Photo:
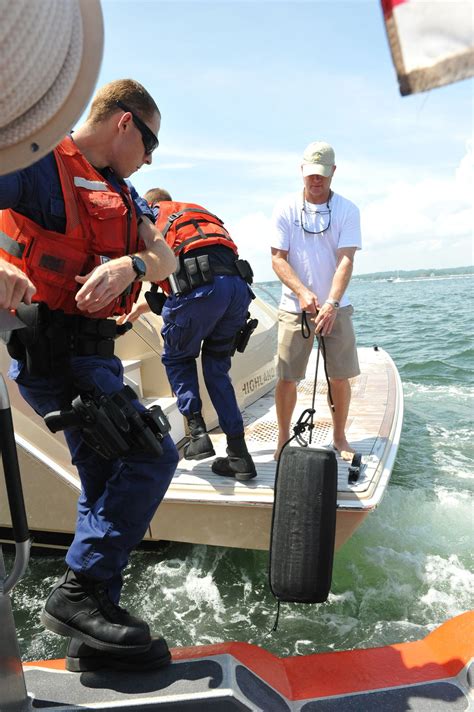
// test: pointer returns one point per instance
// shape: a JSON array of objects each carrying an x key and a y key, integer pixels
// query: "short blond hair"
[
  {"x": 128, "y": 91},
  {"x": 155, "y": 195}
]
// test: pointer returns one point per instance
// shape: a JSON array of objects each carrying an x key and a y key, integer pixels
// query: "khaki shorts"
[{"x": 294, "y": 350}]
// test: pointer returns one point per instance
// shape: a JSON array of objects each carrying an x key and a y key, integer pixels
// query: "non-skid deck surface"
[
  {"x": 369, "y": 424},
  {"x": 222, "y": 684}
]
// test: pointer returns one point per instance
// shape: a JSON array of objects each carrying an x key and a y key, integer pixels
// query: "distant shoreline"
[
  {"x": 401, "y": 275},
  {"x": 421, "y": 273}
]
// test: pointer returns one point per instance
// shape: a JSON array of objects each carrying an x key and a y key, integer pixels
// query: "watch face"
[{"x": 139, "y": 266}]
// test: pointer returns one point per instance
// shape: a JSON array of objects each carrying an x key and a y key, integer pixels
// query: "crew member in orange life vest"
[
  {"x": 204, "y": 318},
  {"x": 86, "y": 241}
]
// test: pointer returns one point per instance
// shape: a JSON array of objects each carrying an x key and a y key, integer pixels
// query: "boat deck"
[
  {"x": 433, "y": 673},
  {"x": 373, "y": 429}
]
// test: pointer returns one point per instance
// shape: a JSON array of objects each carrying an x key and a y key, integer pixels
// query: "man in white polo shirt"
[{"x": 315, "y": 235}]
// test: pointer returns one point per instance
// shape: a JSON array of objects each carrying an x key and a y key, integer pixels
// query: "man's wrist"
[{"x": 333, "y": 302}]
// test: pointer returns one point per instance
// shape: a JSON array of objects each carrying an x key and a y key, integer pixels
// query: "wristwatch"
[
  {"x": 333, "y": 302},
  {"x": 139, "y": 266}
]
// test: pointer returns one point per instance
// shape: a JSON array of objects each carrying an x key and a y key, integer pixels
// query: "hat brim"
[
  {"x": 21, "y": 154},
  {"x": 317, "y": 169}
]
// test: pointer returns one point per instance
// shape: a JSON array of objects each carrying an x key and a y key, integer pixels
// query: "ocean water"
[{"x": 407, "y": 569}]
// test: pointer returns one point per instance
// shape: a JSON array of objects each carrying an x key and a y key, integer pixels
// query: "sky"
[{"x": 243, "y": 87}]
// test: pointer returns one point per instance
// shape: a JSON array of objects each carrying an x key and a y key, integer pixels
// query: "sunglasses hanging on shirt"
[{"x": 316, "y": 222}]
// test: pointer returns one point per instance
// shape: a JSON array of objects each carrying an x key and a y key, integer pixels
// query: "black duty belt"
[
  {"x": 50, "y": 338},
  {"x": 197, "y": 271},
  {"x": 89, "y": 337}
]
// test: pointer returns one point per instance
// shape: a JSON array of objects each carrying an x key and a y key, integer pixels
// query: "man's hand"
[
  {"x": 308, "y": 301},
  {"x": 104, "y": 284},
  {"x": 324, "y": 320},
  {"x": 137, "y": 310},
  {"x": 15, "y": 287}
]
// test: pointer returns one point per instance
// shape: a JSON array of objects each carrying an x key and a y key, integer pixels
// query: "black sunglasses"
[{"x": 150, "y": 141}]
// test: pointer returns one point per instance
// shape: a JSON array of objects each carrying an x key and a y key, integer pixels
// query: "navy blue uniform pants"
[
  {"x": 118, "y": 497},
  {"x": 210, "y": 316}
]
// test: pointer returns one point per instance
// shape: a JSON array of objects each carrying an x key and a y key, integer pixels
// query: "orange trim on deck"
[
  {"x": 441, "y": 654},
  {"x": 59, "y": 664}
]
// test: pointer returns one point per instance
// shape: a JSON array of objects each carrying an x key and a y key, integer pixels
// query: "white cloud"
[
  {"x": 213, "y": 153},
  {"x": 251, "y": 236},
  {"x": 422, "y": 218}
]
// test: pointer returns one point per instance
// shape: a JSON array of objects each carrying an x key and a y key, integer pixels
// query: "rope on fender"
[{"x": 306, "y": 333}]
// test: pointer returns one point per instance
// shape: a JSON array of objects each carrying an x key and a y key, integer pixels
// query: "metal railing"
[{"x": 13, "y": 693}]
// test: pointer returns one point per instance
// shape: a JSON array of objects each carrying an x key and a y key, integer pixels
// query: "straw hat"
[{"x": 50, "y": 56}]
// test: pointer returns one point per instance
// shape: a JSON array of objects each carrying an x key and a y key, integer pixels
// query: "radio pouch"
[{"x": 245, "y": 270}]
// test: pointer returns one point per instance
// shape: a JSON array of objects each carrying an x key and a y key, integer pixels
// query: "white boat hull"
[{"x": 201, "y": 507}]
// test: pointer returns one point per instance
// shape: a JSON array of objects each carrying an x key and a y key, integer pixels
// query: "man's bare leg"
[
  {"x": 285, "y": 401},
  {"x": 341, "y": 395}
]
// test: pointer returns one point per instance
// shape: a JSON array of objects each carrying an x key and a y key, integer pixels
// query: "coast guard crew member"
[
  {"x": 206, "y": 310},
  {"x": 87, "y": 241}
]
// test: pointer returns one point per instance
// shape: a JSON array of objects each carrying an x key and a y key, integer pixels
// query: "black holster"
[
  {"x": 111, "y": 425},
  {"x": 242, "y": 337}
]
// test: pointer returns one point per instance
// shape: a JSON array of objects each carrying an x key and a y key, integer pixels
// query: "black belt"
[
  {"x": 54, "y": 334},
  {"x": 90, "y": 337}
]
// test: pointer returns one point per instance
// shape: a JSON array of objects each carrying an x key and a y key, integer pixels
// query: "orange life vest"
[
  {"x": 100, "y": 223},
  {"x": 188, "y": 226}
]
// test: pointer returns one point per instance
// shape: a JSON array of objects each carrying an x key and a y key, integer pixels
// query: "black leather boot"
[
  {"x": 80, "y": 607},
  {"x": 200, "y": 445},
  {"x": 238, "y": 464},
  {"x": 83, "y": 658}
]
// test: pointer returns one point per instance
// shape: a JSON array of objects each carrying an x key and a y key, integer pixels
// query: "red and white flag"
[{"x": 432, "y": 41}]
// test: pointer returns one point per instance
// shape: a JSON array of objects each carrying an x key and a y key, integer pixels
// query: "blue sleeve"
[
  {"x": 36, "y": 193},
  {"x": 11, "y": 190},
  {"x": 141, "y": 206}
]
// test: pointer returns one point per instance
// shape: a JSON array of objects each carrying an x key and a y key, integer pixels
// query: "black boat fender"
[{"x": 303, "y": 525}]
